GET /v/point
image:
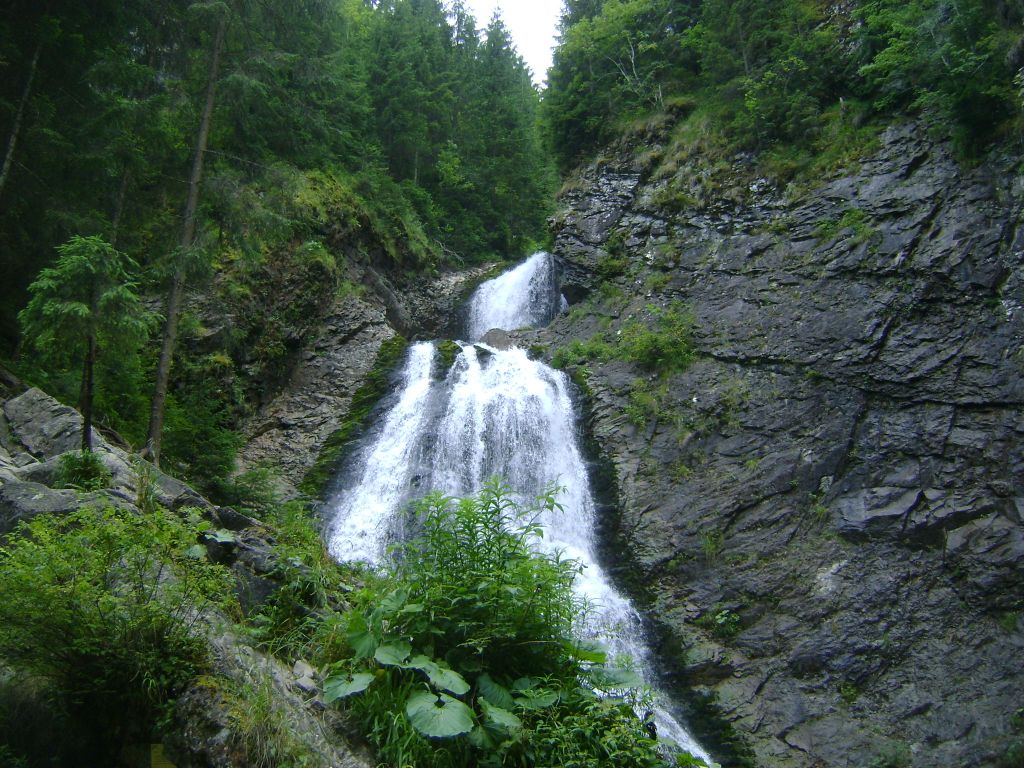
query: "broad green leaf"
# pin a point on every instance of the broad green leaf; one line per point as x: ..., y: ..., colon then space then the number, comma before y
x: 394, y: 601
x: 196, y: 552
x: 339, y: 686
x: 438, y: 716
x: 360, y: 638
x: 496, y: 694
x: 607, y: 678
x: 501, y: 717
x: 481, y: 739
x: 537, y: 699
x: 589, y: 650
x: 441, y: 677
x: 393, y: 653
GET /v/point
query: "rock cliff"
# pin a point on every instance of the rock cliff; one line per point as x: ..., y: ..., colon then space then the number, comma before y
x: 825, y: 507
x: 291, y: 428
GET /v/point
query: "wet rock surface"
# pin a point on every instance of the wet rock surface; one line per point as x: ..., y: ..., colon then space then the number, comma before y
x: 288, y: 432
x: 842, y: 467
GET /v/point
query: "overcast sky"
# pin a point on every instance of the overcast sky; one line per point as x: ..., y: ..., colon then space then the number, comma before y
x: 532, y: 24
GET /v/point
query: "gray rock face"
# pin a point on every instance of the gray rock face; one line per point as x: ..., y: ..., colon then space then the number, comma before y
x: 843, y: 465
x: 289, y: 432
x: 20, y: 502
x: 44, y: 426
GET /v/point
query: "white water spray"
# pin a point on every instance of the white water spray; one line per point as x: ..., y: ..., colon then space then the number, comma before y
x: 496, y: 413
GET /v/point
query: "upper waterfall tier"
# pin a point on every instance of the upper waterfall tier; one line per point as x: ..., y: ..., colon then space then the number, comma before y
x: 524, y: 297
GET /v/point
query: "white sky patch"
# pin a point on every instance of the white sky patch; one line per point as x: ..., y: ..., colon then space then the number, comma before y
x: 533, y: 24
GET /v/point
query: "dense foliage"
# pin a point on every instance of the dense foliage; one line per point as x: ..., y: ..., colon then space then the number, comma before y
x: 472, y: 656
x: 99, y: 608
x: 767, y: 72
x: 239, y: 145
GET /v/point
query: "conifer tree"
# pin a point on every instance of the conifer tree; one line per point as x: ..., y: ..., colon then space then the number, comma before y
x: 83, y: 307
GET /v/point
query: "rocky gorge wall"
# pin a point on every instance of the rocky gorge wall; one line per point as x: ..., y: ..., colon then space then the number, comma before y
x: 826, y: 505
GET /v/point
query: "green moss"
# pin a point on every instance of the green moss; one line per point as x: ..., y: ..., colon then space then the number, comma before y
x: 447, y: 351
x: 366, y: 397
x: 853, y: 219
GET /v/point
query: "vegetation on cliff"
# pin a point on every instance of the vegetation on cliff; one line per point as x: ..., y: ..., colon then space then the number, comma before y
x: 783, y: 74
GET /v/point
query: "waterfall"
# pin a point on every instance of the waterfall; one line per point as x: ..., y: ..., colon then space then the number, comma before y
x: 524, y: 297
x: 495, y: 412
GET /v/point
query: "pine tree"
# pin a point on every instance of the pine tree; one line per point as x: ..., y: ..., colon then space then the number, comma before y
x: 83, y: 307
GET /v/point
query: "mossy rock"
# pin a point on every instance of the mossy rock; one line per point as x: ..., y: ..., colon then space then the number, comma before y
x: 447, y: 351
x: 373, y: 388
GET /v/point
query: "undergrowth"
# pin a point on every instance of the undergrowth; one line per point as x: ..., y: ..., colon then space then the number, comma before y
x: 470, y: 654
x: 101, y: 606
x: 659, y: 341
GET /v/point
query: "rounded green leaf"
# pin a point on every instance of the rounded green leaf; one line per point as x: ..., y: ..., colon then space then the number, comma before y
x: 339, y: 686
x: 393, y: 653
x: 441, y: 677
x: 502, y: 718
x: 496, y: 694
x: 438, y: 716
x: 536, y: 699
x: 362, y: 640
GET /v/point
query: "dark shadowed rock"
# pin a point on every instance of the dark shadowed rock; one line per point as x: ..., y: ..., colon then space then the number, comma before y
x: 843, y: 465
x: 22, y: 501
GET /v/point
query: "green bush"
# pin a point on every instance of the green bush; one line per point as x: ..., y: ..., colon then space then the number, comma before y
x: 103, y: 604
x: 663, y: 345
x: 303, y: 617
x: 471, y: 658
x: 82, y: 470
x: 578, y: 352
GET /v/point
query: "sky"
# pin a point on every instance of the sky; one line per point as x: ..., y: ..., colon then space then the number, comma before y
x: 533, y: 25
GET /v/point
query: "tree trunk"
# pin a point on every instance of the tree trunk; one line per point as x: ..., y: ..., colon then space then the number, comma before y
x: 87, y: 392
x: 188, y: 230
x: 115, y: 224
x: 18, y: 117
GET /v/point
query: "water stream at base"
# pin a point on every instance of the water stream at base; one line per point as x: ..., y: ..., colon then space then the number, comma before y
x: 495, y: 412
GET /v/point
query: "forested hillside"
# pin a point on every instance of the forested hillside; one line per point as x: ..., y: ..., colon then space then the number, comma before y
x: 232, y: 146
x: 804, y: 83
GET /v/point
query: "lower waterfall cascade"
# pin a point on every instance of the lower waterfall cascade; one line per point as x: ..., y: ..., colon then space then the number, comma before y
x: 495, y: 412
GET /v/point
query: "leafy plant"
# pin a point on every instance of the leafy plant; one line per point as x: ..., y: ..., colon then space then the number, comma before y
x: 662, y: 345
x: 104, y: 604
x: 723, y: 623
x: 471, y: 657
x: 82, y: 470
x: 711, y: 546
x: 578, y: 352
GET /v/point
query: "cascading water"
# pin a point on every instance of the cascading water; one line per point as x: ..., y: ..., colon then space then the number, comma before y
x: 496, y: 412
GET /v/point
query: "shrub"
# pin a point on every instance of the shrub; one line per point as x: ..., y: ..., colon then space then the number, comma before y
x: 471, y: 658
x: 102, y: 603
x: 578, y: 352
x: 663, y: 345
x: 82, y: 470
